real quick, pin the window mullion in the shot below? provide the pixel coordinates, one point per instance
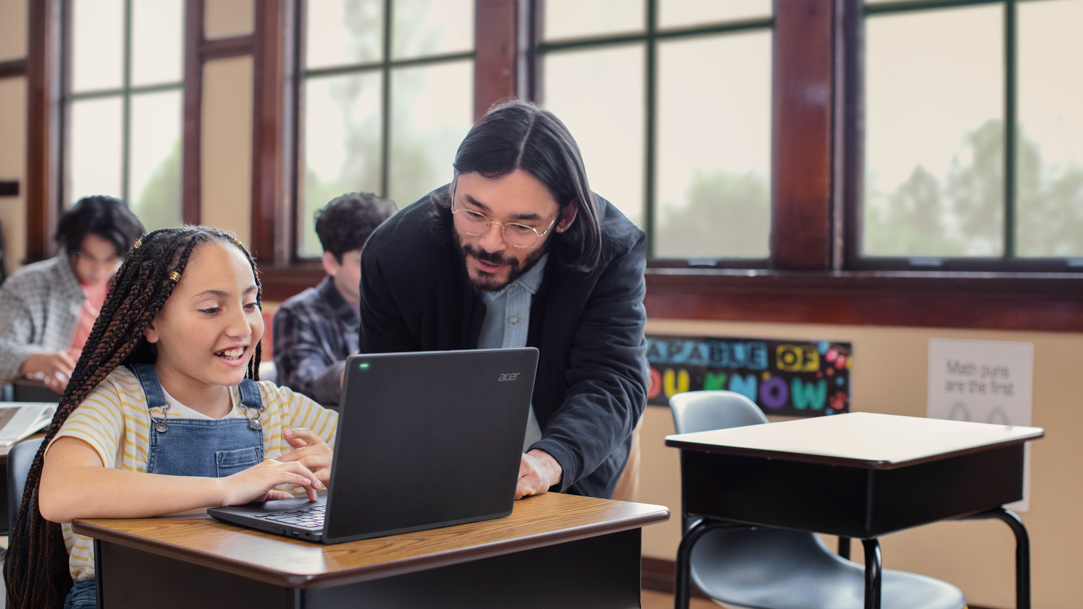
(1010, 40)
(125, 144)
(650, 155)
(385, 109)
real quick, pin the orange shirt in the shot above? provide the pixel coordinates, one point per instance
(92, 306)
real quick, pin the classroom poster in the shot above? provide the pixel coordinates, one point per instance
(794, 378)
(983, 381)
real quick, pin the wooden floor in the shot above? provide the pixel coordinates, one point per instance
(661, 600)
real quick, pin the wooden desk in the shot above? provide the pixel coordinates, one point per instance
(553, 551)
(857, 475)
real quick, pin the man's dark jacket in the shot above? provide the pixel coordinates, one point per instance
(591, 384)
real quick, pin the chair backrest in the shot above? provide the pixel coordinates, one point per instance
(20, 457)
(706, 410)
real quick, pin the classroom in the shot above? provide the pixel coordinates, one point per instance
(862, 210)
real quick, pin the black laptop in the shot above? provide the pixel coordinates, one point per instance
(424, 440)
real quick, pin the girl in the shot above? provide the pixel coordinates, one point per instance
(163, 414)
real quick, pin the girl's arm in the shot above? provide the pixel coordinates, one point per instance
(75, 484)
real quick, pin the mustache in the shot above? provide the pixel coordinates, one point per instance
(488, 257)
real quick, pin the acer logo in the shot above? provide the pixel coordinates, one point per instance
(509, 376)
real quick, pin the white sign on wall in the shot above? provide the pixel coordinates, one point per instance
(983, 381)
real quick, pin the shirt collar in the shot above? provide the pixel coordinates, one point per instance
(338, 304)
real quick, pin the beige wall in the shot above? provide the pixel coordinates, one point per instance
(13, 167)
(889, 376)
(226, 158)
(13, 29)
(224, 18)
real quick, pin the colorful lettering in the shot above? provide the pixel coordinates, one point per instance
(774, 393)
(810, 395)
(675, 382)
(745, 385)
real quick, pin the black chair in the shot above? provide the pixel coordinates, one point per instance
(768, 568)
(20, 457)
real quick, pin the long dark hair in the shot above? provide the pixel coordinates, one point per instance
(36, 567)
(518, 135)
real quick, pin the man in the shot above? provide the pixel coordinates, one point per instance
(517, 251)
(316, 330)
(48, 308)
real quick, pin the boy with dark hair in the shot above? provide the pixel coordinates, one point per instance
(316, 330)
(48, 308)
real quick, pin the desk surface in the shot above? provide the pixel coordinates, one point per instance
(535, 522)
(857, 439)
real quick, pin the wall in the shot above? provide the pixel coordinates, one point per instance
(889, 376)
(13, 28)
(227, 146)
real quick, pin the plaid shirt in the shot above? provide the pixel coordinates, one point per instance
(314, 333)
(39, 305)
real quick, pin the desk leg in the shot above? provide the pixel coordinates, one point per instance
(682, 592)
(873, 567)
(844, 547)
(1022, 551)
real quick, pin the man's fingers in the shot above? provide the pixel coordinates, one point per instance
(66, 359)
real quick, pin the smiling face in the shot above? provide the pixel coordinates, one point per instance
(208, 329)
(518, 198)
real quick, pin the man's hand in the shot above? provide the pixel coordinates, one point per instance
(309, 450)
(538, 470)
(53, 368)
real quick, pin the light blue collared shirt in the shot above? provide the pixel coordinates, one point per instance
(507, 319)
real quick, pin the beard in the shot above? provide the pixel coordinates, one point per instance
(490, 282)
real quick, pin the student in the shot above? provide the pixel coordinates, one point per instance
(517, 251)
(316, 330)
(47, 308)
(163, 414)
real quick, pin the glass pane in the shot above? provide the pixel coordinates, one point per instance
(154, 176)
(1049, 144)
(13, 29)
(225, 18)
(157, 41)
(97, 53)
(432, 108)
(714, 194)
(579, 18)
(341, 145)
(431, 27)
(341, 32)
(934, 164)
(677, 13)
(580, 88)
(95, 160)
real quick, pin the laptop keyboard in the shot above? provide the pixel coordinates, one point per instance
(304, 518)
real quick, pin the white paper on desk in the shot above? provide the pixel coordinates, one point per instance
(983, 381)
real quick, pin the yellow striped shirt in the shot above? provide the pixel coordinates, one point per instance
(115, 421)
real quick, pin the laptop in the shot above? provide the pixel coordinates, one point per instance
(424, 440)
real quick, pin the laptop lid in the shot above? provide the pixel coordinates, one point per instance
(427, 439)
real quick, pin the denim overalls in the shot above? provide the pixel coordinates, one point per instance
(212, 448)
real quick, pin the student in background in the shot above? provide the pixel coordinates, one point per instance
(47, 308)
(163, 414)
(316, 330)
(517, 251)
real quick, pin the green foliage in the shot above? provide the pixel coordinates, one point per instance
(725, 215)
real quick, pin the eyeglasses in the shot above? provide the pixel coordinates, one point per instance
(516, 235)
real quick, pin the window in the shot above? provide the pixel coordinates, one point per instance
(691, 164)
(123, 102)
(973, 135)
(387, 97)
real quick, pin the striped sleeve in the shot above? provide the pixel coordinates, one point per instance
(298, 410)
(98, 421)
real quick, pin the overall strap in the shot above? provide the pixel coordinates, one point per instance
(152, 387)
(252, 401)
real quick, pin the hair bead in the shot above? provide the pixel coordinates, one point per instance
(175, 276)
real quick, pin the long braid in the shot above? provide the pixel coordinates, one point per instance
(36, 566)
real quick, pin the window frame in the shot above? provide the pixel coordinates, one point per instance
(650, 37)
(816, 178)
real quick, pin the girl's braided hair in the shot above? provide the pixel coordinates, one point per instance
(36, 567)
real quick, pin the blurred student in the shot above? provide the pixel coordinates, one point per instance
(48, 308)
(316, 330)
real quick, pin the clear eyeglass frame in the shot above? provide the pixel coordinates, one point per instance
(470, 215)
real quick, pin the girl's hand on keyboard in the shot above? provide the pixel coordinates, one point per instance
(309, 450)
(257, 483)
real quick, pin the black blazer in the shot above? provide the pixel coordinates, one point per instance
(591, 384)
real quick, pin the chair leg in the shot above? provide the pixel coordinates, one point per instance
(682, 592)
(844, 547)
(1022, 551)
(873, 566)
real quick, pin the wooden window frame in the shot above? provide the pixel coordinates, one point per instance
(816, 177)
